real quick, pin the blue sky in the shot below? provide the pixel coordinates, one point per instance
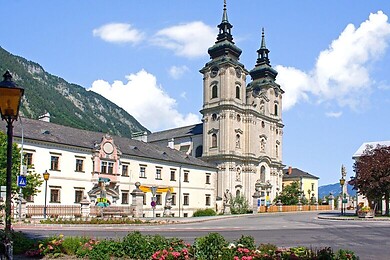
(332, 56)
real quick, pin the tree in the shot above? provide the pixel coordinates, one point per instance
(373, 174)
(239, 205)
(290, 194)
(34, 180)
(3, 162)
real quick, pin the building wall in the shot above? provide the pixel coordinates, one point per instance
(67, 180)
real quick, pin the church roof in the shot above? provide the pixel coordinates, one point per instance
(176, 133)
(64, 135)
(363, 147)
(296, 174)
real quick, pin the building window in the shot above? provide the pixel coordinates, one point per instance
(262, 174)
(103, 167)
(238, 193)
(173, 199)
(214, 140)
(276, 109)
(78, 195)
(277, 150)
(54, 165)
(79, 165)
(199, 151)
(110, 167)
(238, 118)
(214, 117)
(158, 199)
(238, 92)
(125, 197)
(214, 91)
(186, 199)
(55, 195)
(208, 199)
(158, 173)
(208, 177)
(144, 199)
(125, 170)
(238, 141)
(173, 175)
(142, 172)
(312, 186)
(28, 159)
(186, 176)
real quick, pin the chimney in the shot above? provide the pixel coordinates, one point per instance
(45, 117)
(171, 143)
(289, 170)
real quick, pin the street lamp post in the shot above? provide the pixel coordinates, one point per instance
(46, 176)
(342, 182)
(10, 98)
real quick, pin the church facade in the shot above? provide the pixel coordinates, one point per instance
(242, 129)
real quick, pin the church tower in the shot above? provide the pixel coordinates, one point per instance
(242, 126)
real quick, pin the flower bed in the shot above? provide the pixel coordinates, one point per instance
(210, 247)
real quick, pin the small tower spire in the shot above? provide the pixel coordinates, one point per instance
(224, 17)
(263, 39)
(263, 51)
(225, 27)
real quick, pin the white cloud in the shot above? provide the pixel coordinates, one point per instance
(119, 33)
(334, 114)
(342, 72)
(177, 72)
(144, 99)
(187, 40)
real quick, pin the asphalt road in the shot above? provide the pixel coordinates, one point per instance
(368, 239)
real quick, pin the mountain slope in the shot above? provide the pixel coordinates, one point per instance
(335, 189)
(68, 104)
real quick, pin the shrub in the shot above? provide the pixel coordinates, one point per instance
(247, 242)
(209, 247)
(204, 212)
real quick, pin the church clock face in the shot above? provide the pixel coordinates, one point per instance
(108, 148)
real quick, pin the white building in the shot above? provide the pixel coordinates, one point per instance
(76, 159)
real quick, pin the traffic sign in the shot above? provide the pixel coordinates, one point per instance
(22, 181)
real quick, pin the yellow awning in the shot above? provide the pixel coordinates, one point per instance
(159, 189)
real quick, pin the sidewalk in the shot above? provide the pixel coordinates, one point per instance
(349, 215)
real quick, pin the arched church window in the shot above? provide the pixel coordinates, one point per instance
(214, 117)
(214, 140)
(238, 174)
(262, 124)
(262, 145)
(262, 173)
(238, 118)
(238, 91)
(214, 91)
(238, 141)
(277, 150)
(276, 110)
(199, 151)
(238, 193)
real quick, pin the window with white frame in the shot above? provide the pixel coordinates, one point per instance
(78, 195)
(142, 171)
(173, 175)
(125, 170)
(125, 197)
(186, 199)
(79, 165)
(158, 173)
(55, 163)
(208, 177)
(55, 194)
(186, 173)
(208, 200)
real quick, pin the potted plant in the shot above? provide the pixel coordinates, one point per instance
(365, 212)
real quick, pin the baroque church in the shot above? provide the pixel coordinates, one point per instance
(242, 129)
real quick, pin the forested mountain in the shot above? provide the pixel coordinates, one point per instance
(68, 104)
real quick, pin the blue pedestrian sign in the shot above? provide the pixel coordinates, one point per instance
(22, 181)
